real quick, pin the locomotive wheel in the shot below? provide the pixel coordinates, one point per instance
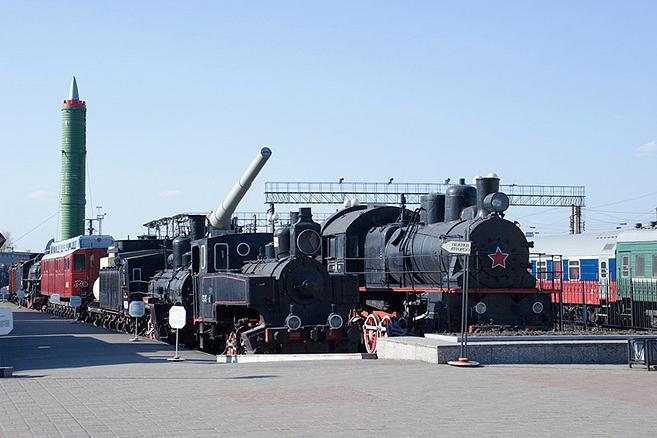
(371, 329)
(385, 324)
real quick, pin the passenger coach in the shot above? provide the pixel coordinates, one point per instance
(71, 266)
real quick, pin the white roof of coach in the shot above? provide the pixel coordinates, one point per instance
(577, 245)
(639, 235)
(94, 241)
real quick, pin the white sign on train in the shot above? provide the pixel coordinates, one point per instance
(6, 321)
(457, 247)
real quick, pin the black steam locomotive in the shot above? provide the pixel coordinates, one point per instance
(243, 292)
(408, 281)
(284, 301)
(23, 278)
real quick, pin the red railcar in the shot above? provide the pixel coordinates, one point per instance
(577, 292)
(71, 267)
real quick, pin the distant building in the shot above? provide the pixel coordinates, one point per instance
(8, 258)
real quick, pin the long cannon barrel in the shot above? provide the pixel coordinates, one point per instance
(220, 218)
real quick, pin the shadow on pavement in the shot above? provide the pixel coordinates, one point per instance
(39, 342)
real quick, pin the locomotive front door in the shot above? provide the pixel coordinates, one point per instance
(603, 277)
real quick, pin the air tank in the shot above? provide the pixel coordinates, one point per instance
(269, 251)
(433, 208)
(181, 245)
(457, 198)
(282, 242)
(221, 217)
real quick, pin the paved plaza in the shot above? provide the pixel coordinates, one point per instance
(75, 380)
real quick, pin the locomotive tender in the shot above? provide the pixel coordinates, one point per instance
(409, 282)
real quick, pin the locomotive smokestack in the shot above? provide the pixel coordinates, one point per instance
(220, 218)
(485, 186)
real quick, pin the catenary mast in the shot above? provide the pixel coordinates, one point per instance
(74, 154)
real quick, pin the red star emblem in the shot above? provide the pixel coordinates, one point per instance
(498, 258)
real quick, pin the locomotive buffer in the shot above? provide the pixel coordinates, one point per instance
(462, 248)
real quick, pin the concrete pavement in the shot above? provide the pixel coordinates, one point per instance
(75, 380)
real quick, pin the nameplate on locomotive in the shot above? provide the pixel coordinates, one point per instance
(457, 247)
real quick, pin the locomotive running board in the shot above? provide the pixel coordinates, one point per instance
(260, 358)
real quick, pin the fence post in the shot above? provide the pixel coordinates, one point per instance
(631, 289)
(561, 308)
(584, 315)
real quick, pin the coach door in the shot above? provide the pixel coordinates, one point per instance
(603, 276)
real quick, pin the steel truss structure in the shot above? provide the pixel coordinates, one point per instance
(326, 193)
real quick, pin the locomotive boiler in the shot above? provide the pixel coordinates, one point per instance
(409, 282)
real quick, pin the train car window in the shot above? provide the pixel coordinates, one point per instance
(603, 269)
(573, 270)
(330, 250)
(654, 265)
(352, 245)
(136, 274)
(92, 261)
(67, 264)
(203, 256)
(557, 269)
(221, 256)
(541, 270)
(339, 246)
(78, 262)
(640, 269)
(625, 266)
(243, 249)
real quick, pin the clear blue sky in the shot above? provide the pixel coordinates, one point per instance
(181, 96)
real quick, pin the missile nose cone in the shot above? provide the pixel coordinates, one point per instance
(73, 92)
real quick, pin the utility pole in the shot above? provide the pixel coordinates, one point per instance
(99, 217)
(575, 219)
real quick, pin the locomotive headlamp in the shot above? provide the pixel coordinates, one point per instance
(309, 242)
(480, 308)
(293, 322)
(335, 321)
(537, 307)
(496, 202)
